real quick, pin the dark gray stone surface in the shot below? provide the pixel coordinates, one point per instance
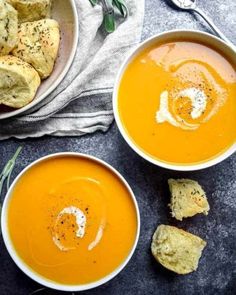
(217, 270)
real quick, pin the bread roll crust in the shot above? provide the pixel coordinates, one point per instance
(38, 45)
(19, 82)
(8, 27)
(176, 249)
(187, 198)
(31, 10)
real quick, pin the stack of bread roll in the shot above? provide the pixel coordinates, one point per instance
(29, 42)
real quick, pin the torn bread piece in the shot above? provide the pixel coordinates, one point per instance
(187, 198)
(176, 249)
(38, 45)
(19, 82)
(8, 27)
(31, 10)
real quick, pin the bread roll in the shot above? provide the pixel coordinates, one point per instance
(8, 27)
(31, 10)
(38, 45)
(176, 249)
(19, 82)
(187, 198)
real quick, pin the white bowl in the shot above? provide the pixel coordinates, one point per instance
(64, 11)
(169, 36)
(26, 269)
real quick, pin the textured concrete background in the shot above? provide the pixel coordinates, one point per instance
(217, 270)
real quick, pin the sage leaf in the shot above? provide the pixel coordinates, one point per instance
(0, 218)
(109, 22)
(109, 12)
(121, 6)
(37, 291)
(109, 16)
(9, 179)
(6, 172)
(93, 2)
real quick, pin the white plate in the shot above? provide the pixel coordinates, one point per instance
(64, 11)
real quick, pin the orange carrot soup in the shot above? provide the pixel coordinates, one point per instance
(177, 102)
(72, 220)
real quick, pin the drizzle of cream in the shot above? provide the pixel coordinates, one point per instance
(98, 237)
(164, 115)
(72, 210)
(203, 75)
(198, 100)
(80, 221)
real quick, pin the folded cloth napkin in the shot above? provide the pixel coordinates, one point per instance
(82, 103)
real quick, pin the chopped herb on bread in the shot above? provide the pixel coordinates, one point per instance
(8, 27)
(187, 198)
(176, 249)
(38, 45)
(31, 10)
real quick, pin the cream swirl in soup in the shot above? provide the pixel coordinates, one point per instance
(177, 102)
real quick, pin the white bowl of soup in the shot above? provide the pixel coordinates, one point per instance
(70, 222)
(175, 100)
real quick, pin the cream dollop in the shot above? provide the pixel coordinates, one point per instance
(98, 237)
(80, 219)
(198, 100)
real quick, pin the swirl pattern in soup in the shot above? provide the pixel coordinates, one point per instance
(177, 102)
(72, 220)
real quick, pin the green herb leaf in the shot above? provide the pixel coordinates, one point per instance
(109, 16)
(93, 2)
(121, 6)
(108, 12)
(9, 178)
(6, 172)
(109, 22)
(38, 291)
(0, 218)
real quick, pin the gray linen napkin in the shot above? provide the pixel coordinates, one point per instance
(83, 101)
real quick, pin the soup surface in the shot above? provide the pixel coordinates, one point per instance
(177, 102)
(72, 220)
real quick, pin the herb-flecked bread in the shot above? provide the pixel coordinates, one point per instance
(31, 10)
(187, 198)
(38, 45)
(19, 82)
(176, 249)
(8, 27)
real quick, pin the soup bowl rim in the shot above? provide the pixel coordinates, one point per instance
(223, 47)
(34, 275)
